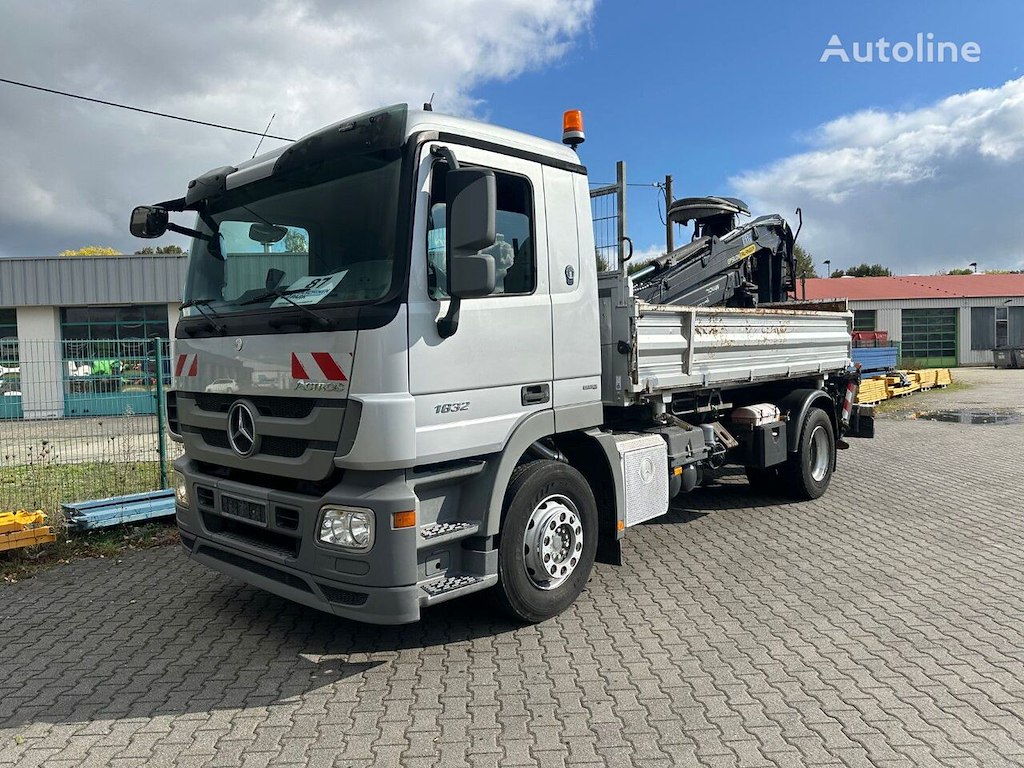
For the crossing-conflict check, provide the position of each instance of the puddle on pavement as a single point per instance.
(970, 416)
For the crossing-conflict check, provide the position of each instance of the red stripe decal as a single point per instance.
(181, 364)
(298, 372)
(194, 367)
(328, 366)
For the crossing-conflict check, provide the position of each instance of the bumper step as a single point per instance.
(451, 586)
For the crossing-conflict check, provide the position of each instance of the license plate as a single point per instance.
(243, 509)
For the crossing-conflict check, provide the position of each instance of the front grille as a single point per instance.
(271, 445)
(296, 436)
(269, 541)
(280, 407)
(342, 596)
(215, 438)
(260, 569)
(286, 447)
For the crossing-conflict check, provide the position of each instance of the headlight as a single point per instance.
(347, 527)
(180, 489)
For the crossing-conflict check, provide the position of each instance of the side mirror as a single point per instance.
(471, 202)
(148, 222)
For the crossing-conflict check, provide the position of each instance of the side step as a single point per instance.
(441, 533)
(454, 585)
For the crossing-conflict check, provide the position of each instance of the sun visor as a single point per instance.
(208, 185)
(370, 132)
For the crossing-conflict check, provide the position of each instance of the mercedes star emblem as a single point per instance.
(242, 429)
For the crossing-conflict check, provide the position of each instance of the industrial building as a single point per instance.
(938, 321)
(76, 333)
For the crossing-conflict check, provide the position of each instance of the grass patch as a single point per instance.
(46, 485)
(19, 564)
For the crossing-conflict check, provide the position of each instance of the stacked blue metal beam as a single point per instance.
(875, 360)
(86, 515)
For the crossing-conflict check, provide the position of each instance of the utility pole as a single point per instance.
(670, 240)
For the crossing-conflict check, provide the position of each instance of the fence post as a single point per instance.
(620, 182)
(161, 424)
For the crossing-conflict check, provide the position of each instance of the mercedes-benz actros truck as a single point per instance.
(400, 378)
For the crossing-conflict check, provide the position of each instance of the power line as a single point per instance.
(654, 184)
(143, 111)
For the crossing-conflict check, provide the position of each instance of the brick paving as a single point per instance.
(882, 625)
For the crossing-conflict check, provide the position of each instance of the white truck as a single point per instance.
(435, 391)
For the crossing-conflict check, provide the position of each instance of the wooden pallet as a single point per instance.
(23, 529)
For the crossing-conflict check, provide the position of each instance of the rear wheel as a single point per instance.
(548, 540)
(809, 469)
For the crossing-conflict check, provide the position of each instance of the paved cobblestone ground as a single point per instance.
(882, 625)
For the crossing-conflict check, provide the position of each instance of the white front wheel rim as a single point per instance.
(552, 542)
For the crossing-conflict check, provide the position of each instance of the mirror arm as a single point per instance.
(186, 231)
(447, 155)
(449, 324)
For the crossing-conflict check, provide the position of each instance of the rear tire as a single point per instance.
(809, 470)
(548, 540)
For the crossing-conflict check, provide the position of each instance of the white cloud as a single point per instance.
(920, 190)
(72, 171)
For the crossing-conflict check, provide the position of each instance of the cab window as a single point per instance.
(515, 264)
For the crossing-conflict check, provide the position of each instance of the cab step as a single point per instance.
(439, 533)
(452, 585)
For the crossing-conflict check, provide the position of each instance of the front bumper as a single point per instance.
(280, 554)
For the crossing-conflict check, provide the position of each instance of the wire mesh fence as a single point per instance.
(608, 212)
(82, 419)
(603, 208)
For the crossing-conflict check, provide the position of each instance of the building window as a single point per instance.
(112, 331)
(515, 265)
(864, 320)
(1002, 326)
(929, 337)
(10, 368)
(109, 367)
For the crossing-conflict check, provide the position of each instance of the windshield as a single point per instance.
(314, 237)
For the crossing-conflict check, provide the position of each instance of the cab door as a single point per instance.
(472, 388)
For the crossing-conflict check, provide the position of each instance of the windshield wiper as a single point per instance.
(279, 294)
(209, 315)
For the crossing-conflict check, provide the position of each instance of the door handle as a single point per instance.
(535, 394)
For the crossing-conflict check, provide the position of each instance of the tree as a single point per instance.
(864, 270)
(804, 262)
(92, 250)
(149, 250)
(295, 242)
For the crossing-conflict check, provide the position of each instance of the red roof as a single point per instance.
(914, 287)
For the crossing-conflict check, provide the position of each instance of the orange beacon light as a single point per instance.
(572, 128)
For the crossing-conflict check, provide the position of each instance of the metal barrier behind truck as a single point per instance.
(82, 419)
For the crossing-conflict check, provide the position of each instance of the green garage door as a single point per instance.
(929, 338)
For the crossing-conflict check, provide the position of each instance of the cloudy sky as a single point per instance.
(913, 165)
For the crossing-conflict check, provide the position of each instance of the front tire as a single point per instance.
(548, 540)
